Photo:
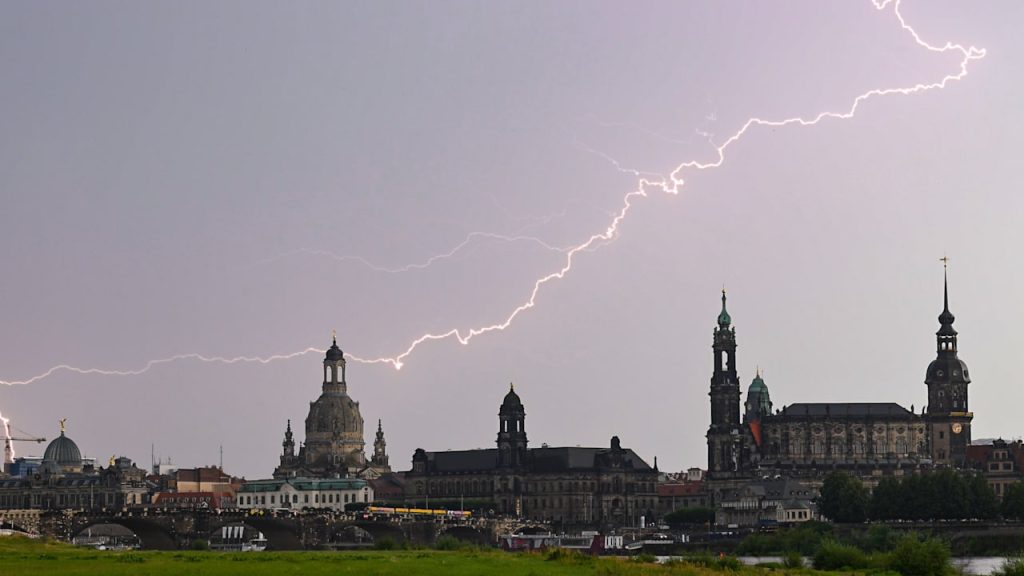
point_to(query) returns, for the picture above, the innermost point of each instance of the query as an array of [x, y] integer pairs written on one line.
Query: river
[[978, 566]]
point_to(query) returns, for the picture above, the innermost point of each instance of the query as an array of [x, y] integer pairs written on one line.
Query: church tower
[[949, 417], [511, 431], [380, 455], [288, 445], [724, 435]]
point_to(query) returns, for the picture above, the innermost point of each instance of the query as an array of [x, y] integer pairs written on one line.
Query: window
[[942, 433]]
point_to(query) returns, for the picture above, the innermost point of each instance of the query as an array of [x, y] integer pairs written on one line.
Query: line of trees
[[939, 495]]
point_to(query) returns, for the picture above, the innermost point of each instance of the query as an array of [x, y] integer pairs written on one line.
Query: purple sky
[[240, 178]]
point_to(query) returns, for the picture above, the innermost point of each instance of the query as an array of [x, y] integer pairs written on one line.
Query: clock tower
[[949, 417]]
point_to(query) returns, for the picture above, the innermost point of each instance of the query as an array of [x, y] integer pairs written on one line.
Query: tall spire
[[946, 318]]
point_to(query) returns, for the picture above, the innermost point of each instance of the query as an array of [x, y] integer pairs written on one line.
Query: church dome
[[334, 353], [511, 401], [334, 413], [63, 450], [947, 369], [757, 386]]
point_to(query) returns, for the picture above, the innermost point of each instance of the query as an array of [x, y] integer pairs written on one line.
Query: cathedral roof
[[841, 409]]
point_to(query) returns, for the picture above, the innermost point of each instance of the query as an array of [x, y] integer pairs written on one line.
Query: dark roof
[[463, 460], [852, 409], [540, 459]]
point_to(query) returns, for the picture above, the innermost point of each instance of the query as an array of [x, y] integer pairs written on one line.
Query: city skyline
[[219, 182]]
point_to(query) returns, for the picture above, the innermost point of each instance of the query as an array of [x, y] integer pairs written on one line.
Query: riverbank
[[21, 556]]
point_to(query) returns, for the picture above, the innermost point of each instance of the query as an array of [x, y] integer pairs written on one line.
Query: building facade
[[568, 485], [64, 480], [866, 439], [298, 493]]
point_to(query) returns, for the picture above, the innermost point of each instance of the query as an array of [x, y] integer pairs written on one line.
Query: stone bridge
[[176, 529]]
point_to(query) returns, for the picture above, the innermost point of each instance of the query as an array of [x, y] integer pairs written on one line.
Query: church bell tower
[[949, 417], [724, 436]]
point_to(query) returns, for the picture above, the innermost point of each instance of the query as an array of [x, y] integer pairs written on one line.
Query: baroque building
[[334, 446], [863, 438], [65, 480], [572, 486]]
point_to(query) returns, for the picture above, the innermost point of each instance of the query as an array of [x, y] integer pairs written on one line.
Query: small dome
[[511, 403], [63, 450], [757, 386], [334, 353]]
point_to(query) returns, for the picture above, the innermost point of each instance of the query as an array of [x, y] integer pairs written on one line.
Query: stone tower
[[949, 417], [334, 430], [724, 435], [380, 455], [511, 431]]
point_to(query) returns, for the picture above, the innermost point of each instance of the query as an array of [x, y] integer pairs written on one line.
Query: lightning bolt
[[672, 185], [8, 445], [429, 261]]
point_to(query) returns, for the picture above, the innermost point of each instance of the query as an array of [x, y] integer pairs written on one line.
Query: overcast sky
[[241, 178]]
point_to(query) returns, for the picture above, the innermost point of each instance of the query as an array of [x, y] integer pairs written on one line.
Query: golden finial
[[944, 260], [62, 421]]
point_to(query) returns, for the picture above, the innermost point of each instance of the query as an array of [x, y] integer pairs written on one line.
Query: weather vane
[[944, 260]]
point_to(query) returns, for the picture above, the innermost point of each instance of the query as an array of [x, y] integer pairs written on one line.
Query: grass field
[[21, 556]]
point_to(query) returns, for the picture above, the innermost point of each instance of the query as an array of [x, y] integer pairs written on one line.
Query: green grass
[[21, 556]]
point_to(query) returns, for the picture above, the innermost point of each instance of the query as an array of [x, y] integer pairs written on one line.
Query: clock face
[[957, 428]]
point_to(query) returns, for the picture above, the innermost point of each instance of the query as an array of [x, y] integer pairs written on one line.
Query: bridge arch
[[470, 534], [281, 533], [152, 535]]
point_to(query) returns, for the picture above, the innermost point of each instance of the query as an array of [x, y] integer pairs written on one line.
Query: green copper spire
[[724, 320]]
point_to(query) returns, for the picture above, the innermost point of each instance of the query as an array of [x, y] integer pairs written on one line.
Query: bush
[[200, 544], [720, 562], [832, 555], [644, 558], [385, 543], [1010, 567], [793, 560], [914, 557], [447, 542]]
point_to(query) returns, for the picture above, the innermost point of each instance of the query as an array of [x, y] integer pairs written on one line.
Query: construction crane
[[9, 449]]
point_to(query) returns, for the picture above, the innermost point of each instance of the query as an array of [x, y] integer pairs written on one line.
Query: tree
[[886, 499], [843, 498], [1013, 501], [983, 502]]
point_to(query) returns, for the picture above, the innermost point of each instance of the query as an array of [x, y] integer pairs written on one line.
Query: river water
[[979, 566]]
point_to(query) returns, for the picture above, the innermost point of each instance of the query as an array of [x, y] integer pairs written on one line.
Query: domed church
[[334, 446]]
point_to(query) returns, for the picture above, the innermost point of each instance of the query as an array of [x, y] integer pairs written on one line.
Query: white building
[[299, 493]]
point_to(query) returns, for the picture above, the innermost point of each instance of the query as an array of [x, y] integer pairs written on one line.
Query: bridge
[[159, 529]]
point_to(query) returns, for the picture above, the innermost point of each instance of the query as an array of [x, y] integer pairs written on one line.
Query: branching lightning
[[432, 259], [672, 185]]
